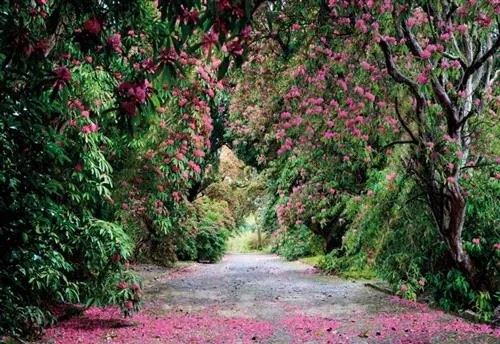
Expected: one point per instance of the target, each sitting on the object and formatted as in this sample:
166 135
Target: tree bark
331 233
448 208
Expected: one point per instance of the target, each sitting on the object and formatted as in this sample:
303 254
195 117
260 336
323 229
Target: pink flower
476 241
411 22
483 19
421 282
445 36
370 96
114 42
208 40
462 11
422 79
328 135
63 76
93 26
285 115
199 153
451 179
447 138
426 54
361 26
403 288
194 166
346 158
122 285
369 193
391 176
357 199
462 28
459 154
124 206
359 90
91 128
129 305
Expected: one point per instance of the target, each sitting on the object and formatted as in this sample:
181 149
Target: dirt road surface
305 306
261 298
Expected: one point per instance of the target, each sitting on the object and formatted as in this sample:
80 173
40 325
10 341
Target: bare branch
444 100
469 71
401 142
394 72
411 42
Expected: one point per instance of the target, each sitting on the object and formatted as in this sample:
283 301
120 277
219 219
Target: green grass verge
314 260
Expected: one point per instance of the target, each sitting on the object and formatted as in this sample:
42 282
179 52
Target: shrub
298 242
87 269
205 232
252 242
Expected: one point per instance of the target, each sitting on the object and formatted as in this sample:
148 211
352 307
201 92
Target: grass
358 273
246 242
314 260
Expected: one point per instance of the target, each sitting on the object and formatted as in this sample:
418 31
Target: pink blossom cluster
132 94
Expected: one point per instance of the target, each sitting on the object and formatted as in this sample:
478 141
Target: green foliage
248 241
206 231
110 118
393 236
297 242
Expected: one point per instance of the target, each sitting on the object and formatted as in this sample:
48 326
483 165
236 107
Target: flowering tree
308 114
349 82
100 94
452 52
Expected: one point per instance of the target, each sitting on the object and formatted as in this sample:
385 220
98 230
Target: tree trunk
331 233
259 238
448 208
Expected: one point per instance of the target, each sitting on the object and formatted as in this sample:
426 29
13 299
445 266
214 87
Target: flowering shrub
385 95
111 113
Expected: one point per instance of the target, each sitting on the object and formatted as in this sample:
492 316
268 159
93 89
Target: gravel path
301 305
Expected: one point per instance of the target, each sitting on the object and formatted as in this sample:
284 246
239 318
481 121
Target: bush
205 232
211 244
298 242
392 235
86 269
252 242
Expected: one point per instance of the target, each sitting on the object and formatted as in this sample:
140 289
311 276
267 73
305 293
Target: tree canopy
373 126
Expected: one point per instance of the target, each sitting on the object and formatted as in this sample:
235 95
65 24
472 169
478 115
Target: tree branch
400 142
396 74
444 100
403 123
411 42
469 71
